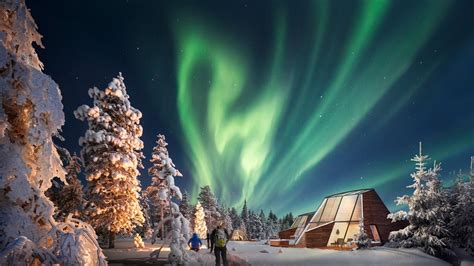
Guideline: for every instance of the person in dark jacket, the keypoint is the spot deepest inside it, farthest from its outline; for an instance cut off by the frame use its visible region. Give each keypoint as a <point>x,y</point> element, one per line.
<point>208,240</point>
<point>219,239</point>
<point>195,243</point>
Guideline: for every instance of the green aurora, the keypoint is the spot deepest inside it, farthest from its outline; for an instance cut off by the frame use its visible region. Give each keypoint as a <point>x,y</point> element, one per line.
<point>244,132</point>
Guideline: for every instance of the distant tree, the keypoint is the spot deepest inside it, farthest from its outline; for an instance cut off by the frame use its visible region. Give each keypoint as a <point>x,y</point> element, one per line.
<point>263,220</point>
<point>462,213</point>
<point>211,208</point>
<point>273,226</point>
<point>185,207</point>
<point>427,214</point>
<point>71,197</point>
<point>111,152</point>
<point>227,219</point>
<point>244,217</point>
<point>145,229</point>
<point>234,216</point>
<point>200,222</point>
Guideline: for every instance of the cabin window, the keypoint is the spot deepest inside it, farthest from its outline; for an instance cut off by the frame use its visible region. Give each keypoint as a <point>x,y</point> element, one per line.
<point>330,209</point>
<point>337,234</point>
<point>347,206</point>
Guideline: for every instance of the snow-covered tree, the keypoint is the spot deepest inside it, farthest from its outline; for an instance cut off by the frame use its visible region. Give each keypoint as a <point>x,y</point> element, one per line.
<point>211,207</point>
<point>185,207</point>
<point>30,115</point>
<point>244,217</point>
<point>199,221</point>
<point>71,196</point>
<point>164,170</point>
<point>427,213</point>
<point>462,213</point>
<point>146,229</point>
<point>158,190</point>
<point>263,220</point>
<point>234,216</point>
<point>111,152</point>
<point>273,226</point>
<point>226,219</point>
<point>255,226</point>
<point>362,240</point>
<point>286,221</point>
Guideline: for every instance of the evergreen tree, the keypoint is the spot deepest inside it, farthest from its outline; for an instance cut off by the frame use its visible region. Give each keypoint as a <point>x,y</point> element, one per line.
<point>30,115</point>
<point>145,229</point>
<point>227,219</point>
<point>164,171</point>
<point>263,222</point>
<point>462,213</point>
<point>185,208</point>
<point>427,212</point>
<point>273,226</point>
<point>199,222</point>
<point>157,191</point>
<point>211,207</point>
<point>111,151</point>
<point>244,217</point>
<point>71,198</point>
<point>362,240</point>
<point>234,216</point>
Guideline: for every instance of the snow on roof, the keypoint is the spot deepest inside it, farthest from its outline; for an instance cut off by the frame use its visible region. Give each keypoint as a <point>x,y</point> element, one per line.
<point>351,192</point>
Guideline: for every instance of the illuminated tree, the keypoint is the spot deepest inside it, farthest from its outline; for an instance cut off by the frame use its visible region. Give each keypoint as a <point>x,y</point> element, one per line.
<point>30,115</point>
<point>163,172</point>
<point>111,151</point>
<point>71,197</point>
<point>199,222</point>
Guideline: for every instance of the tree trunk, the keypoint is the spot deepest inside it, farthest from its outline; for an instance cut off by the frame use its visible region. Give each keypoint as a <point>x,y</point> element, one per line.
<point>111,239</point>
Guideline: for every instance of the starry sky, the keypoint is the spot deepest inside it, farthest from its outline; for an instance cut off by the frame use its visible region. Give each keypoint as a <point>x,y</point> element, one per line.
<point>277,102</point>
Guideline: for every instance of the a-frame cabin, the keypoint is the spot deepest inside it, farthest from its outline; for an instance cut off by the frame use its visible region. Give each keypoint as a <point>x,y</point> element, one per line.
<point>336,222</point>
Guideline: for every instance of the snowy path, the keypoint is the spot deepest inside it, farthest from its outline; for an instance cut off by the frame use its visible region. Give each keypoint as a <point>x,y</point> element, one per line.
<point>255,253</point>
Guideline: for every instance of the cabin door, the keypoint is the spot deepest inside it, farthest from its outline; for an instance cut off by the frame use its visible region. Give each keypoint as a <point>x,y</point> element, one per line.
<point>375,233</point>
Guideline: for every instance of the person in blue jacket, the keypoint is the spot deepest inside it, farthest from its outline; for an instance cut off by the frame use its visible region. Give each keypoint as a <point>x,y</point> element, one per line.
<point>195,242</point>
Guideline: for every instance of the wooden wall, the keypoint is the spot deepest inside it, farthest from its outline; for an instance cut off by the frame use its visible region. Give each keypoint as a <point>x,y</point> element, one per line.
<point>318,237</point>
<point>375,212</point>
<point>285,234</point>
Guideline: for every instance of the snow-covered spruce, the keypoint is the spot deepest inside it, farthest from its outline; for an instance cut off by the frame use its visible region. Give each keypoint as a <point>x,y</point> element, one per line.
<point>362,240</point>
<point>211,208</point>
<point>111,152</point>
<point>71,197</point>
<point>462,213</point>
<point>30,115</point>
<point>428,212</point>
<point>185,207</point>
<point>199,221</point>
<point>164,171</point>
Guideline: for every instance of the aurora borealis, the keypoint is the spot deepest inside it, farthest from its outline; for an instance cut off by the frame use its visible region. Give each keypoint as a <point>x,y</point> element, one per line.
<point>277,102</point>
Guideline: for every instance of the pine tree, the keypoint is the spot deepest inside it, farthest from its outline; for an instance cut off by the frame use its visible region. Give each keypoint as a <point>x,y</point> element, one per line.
<point>199,222</point>
<point>210,205</point>
<point>164,171</point>
<point>263,220</point>
<point>145,229</point>
<point>427,212</point>
<point>244,217</point>
<point>362,240</point>
<point>234,216</point>
<point>185,208</point>
<point>273,226</point>
<point>158,191</point>
<point>462,213</point>
<point>111,151</point>
<point>227,219</point>
<point>71,197</point>
<point>30,115</point>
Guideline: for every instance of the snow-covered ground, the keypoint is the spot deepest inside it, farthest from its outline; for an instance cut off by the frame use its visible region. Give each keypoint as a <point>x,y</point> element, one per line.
<point>256,253</point>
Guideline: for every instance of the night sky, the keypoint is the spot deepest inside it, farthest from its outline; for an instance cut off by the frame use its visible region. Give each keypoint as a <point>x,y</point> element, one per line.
<point>279,102</point>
